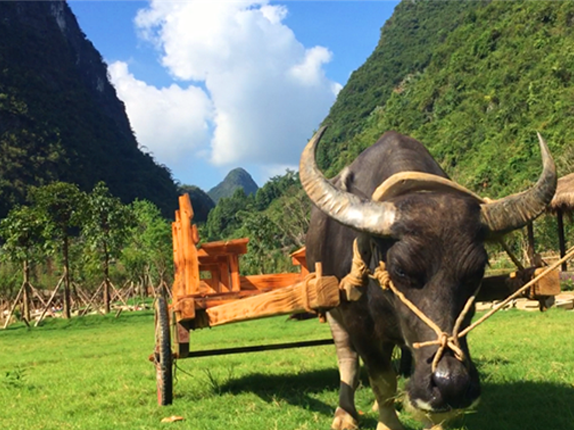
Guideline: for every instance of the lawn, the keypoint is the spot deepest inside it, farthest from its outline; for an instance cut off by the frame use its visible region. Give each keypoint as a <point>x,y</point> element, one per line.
<point>93,373</point>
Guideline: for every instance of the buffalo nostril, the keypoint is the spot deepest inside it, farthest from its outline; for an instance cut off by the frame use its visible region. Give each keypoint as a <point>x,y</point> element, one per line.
<point>453,381</point>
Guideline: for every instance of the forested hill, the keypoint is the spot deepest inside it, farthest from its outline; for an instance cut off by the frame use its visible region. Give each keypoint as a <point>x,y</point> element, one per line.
<point>60,118</point>
<point>237,178</point>
<point>474,81</point>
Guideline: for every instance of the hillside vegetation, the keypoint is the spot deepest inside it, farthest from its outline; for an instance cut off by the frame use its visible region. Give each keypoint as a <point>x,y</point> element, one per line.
<point>503,73</point>
<point>60,118</point>
<point>406,46</point>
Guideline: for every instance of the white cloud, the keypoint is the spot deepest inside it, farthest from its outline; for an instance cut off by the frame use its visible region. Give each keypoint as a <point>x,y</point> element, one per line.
<point>266,92</point>
<point>170,122</point>
<point>271,170</point>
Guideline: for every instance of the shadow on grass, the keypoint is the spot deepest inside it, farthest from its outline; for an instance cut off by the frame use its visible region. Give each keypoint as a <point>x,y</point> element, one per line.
<point>293,389</point>
<point>508,406</point>
<point>296,390</point>
<point>524,406</point>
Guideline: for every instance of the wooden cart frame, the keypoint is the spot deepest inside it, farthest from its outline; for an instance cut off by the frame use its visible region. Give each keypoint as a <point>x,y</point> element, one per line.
<point>208,290</point>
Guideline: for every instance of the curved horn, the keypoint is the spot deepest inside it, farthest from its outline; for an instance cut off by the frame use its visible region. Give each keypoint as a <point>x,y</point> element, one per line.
<point>516,210</point>
<point>364,215</point>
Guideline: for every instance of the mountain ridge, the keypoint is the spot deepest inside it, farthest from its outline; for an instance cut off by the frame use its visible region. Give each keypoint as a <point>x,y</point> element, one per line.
<point>60,118</point>
<point>237,178</point>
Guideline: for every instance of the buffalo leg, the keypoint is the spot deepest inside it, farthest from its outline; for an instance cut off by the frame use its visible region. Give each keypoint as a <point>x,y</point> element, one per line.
<point>346,417</point>
<point>384,385</point>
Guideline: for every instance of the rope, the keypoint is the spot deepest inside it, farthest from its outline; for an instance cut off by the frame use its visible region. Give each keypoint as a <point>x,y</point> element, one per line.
<point>443,340</point>
<point>356,278</point>
<point>499,306</point>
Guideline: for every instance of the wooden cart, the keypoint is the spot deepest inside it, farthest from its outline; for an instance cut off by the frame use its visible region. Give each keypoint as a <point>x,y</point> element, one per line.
<point>208,290</point>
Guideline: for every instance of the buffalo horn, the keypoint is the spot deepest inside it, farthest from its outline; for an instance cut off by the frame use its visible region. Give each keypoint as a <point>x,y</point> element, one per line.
<point>516,210</point>
<point>363,215</point>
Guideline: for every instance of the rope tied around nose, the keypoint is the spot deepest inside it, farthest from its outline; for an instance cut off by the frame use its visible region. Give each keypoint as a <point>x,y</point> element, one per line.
<point>443,340</point>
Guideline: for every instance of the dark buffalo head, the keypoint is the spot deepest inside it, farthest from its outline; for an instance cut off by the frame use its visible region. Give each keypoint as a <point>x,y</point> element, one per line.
<point>431,236</point>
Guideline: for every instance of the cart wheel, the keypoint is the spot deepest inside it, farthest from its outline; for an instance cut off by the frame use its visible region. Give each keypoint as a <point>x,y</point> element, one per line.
<point>163,359</point>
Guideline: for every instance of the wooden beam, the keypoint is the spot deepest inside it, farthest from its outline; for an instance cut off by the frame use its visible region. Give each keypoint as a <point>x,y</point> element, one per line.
<point>178,288</point>
<point>224,278</point>
<point>184,309</point>
<point>215,280</point>
<point>530,247</point>
<point>259,348</point>
<point>205,302</point>
<point>191,263</point>
<point>234,269</point>
<point>181,340</point>
<point>561,240</point>
<point>272,281</point>
<point>549,285</point>
<point>321,293</point>
<point>298,258</point>
<point>211,259</point>
<point>235,246</point>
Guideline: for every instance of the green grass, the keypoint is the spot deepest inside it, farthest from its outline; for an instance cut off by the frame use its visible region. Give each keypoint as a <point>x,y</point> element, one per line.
<point>93,373</point>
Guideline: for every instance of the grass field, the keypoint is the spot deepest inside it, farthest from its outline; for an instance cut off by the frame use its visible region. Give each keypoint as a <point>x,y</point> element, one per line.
<point>94,373</point>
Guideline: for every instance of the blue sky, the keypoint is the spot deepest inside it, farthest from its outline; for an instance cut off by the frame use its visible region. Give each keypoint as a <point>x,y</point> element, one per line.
<point>210,86</point>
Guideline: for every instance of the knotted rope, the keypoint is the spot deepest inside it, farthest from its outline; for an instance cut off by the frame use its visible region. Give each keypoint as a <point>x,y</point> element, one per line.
<point>443,340</point>
<point>357,277</point>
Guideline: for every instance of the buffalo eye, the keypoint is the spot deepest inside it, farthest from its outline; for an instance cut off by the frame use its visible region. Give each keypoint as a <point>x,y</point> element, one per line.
<point>399,272</point>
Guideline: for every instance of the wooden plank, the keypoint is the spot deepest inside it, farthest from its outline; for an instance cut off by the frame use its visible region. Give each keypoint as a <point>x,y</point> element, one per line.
<point>265,282</point>
<point>202,302</point>
<point>181,340</point>
<point>184,309</point>
<point>224,278</point>
<point>321,294</point>
<point>211,259</point>
<point>259,348</point>
<point>561,240</point>
<point>299,258</point>
<point>191,264</point>
<point>178,287</point>
<point>221,299</point>
<point>235,246</point>
<point>234,269</point>
<point>215,280</point>
<point>501,286</point>
<point>548,285</point>
<point>211,285</point>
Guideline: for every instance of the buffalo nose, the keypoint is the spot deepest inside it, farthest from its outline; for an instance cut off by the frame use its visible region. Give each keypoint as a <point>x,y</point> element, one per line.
<point>453,381</point>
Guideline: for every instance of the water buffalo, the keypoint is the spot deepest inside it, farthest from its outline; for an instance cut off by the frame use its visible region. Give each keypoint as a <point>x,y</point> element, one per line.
<point>431,238</point>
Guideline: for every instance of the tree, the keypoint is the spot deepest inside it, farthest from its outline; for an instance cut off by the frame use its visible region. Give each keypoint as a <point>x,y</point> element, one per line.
<point>105,227</point>
<point>61,205</point>
<point>149,253</point>
<point>222,221</point>
<point>274,188</point>
<point>22,231</point>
